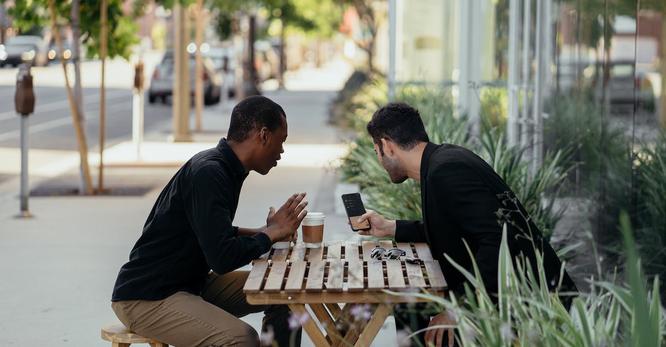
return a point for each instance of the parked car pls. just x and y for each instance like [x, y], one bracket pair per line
[23, 48]
[161, 83]
[626, 85]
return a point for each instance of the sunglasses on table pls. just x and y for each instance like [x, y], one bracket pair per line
[379, 253]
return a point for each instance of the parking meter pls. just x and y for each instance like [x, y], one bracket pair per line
[24, 103]
[24, 99]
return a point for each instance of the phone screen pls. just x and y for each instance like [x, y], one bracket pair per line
[354, 207]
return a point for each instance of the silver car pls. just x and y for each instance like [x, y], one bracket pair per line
[24, 48]
[161, 83]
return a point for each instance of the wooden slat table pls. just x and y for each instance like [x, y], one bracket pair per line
[342, 273]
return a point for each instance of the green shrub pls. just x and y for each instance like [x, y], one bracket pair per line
[495, 106]
[436, 107]
[651, 215]
[525, 313]
[575, 125]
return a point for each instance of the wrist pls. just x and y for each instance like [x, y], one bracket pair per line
[271, 231]
[390, 228]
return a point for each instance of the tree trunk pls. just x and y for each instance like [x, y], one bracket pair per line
[181, 79]
[103, 41]
[371, 55]
[76, 59]
[76, 119]
[198, 70]
[662, 101]
[76, 55]
[283, 62]
[250, 73]
[3, 19]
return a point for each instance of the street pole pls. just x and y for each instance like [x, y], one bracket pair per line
[523, 115]
[537, 114]
[102, 95]
[392, 42]
[512, 124]
[24, 102]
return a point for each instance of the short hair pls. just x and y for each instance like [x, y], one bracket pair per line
[399, 123]
[252, 113]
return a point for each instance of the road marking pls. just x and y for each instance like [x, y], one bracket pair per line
[53, 124]
[63, 104]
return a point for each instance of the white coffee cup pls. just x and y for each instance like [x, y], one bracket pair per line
[312, 229]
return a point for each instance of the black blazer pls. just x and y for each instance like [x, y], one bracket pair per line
[460, 197]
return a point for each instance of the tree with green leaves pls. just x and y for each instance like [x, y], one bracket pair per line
[28, 14]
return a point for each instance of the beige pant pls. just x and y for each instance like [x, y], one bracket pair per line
[184, 319]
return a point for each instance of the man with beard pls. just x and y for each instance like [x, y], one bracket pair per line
[460, 198]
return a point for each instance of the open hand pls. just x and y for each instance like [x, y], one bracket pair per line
[283, 223]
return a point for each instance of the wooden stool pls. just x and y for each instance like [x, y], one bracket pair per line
[120, 336]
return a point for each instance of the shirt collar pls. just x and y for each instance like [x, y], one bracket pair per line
[231, 158]
[425, 159]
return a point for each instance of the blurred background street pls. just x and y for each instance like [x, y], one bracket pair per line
[565, 99]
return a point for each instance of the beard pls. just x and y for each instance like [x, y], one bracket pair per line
[395, 172]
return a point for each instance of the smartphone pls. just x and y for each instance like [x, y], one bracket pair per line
[354, 207]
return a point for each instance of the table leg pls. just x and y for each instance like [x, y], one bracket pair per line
[327, 322]
[374, 324]
[351, 326]
[310, 326]
[335, 310]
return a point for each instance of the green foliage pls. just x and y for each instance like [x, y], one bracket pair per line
[443, 126]
[651, 215]
[319, 18]
[122, 29]
[495, 106]
[575, 125]
[525, 313]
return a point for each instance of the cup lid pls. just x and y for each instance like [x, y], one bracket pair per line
[314, 215]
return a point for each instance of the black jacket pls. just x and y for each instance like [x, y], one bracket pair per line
[460, 197]
[189, 231]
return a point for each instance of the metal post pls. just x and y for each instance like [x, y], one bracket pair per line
[392, 45]
[138, 107]
[538, 91]
[25, 190]
[463, 59]
[523, 118]
[512, 125]
[137, 122]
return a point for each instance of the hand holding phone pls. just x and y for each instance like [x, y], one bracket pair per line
[354, 207]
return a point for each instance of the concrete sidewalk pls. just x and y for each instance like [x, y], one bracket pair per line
[58, 268]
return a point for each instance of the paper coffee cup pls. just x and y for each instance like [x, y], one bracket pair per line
[313, 229]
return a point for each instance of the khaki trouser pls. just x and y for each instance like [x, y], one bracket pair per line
[212, 319]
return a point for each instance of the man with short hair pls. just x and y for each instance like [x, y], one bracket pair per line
[460, 195]
[179, 285]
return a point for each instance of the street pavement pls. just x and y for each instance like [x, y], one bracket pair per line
[58, 268]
